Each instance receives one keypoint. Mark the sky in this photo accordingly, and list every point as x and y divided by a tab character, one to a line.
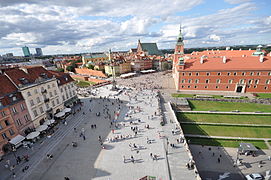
79	26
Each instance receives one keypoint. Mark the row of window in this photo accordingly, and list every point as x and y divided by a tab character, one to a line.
68	95
230	81
229	73
47	106
4	135
26	118
14	110
36	92
217	87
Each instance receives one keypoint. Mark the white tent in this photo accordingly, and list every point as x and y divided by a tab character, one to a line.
41	128
67	110
33	135
17	140
49	122
60	114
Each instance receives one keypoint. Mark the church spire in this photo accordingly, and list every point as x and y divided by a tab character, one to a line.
180	37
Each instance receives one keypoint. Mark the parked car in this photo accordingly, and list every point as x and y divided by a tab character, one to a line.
255	176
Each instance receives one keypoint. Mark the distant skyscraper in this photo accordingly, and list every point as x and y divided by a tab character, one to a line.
26	51
39	52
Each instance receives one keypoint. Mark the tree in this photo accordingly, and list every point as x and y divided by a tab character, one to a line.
165	66
60	69
90	66
70	68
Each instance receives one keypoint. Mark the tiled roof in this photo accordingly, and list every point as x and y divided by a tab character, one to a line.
151	48
227	53
62	77
17	75
90	72
38	71
7	86
233	63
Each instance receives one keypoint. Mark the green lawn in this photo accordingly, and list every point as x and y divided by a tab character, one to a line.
84	83
228	106
229	131
224	118
182	95
225	142
264	95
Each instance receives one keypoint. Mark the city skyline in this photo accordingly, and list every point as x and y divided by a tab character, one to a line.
81	26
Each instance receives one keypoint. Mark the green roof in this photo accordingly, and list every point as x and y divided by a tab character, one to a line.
151	48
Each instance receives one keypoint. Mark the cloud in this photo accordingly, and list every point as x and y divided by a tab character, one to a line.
82	25
214	37
236	1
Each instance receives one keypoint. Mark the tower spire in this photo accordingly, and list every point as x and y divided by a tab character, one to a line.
180	37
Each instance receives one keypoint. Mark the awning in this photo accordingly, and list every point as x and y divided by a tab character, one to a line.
32	135
41	128
17	139
67	110
60	114
49	122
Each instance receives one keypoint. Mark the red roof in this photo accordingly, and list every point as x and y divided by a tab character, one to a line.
233	63
16	76
7	86
90	72
62	77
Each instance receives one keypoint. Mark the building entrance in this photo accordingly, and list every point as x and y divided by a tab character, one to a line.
239	89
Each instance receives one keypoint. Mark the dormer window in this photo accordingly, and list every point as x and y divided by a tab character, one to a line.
43	75
23	80
14	98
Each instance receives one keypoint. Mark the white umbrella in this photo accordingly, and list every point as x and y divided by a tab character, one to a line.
41	128
32	135
67	110
49	122
60	114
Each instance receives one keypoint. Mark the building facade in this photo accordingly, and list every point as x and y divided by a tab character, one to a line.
67	88
26	51
14	116
40	90
221	70
94	58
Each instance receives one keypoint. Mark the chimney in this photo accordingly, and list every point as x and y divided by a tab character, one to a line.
224	59
249	49
240	49
231	49
201	59
261	58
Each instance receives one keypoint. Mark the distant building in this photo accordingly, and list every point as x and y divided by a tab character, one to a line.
39	52
148	49
9	55
94	58
26	51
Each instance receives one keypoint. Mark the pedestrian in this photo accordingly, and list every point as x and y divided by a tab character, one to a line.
84	137
13	175
124	160
213	154
74	129
218	160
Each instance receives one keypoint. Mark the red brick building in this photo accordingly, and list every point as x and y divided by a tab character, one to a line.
222	70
